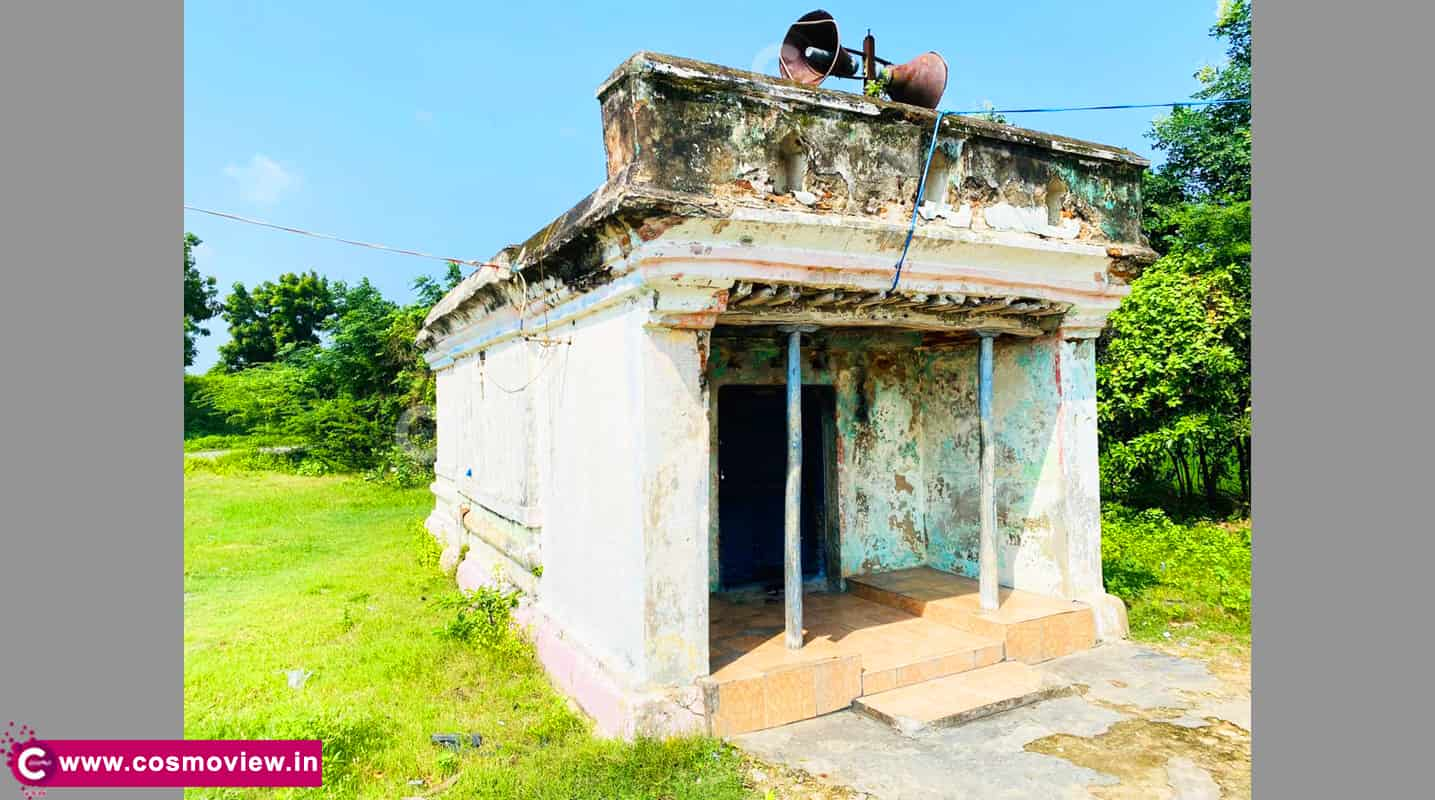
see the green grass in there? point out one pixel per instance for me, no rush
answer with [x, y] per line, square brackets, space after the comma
[329, 574]
[1187, 580]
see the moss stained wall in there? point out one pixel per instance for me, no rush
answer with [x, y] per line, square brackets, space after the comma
[700, 129]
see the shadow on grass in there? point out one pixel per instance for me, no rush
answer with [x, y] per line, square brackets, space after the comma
[1127, 580]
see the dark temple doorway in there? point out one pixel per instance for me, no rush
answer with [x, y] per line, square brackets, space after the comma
[752, 482]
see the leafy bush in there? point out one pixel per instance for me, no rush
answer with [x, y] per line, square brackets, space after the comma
[397, 467]
[343, 433]
[263, 398]
[485, 616]
[427, 550]
[201, 418]
[1168, 573]
[237, 441]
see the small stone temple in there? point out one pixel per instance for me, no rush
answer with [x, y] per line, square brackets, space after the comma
[745, 472]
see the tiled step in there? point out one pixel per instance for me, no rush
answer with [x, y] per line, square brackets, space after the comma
[957, 699]
[753, 698]
[1032, 627]
[851, 647]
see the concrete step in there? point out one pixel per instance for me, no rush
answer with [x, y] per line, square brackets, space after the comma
[1031, 627]
[957, 699]
[851, 647]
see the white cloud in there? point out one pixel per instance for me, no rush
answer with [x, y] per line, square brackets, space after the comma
[262, 180]
[765, 60]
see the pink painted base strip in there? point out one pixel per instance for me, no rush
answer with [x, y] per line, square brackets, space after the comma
[156, 763]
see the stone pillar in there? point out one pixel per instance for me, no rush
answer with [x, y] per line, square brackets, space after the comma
[1081, 479]
[672, 438]
[987, 555]
[792, 513]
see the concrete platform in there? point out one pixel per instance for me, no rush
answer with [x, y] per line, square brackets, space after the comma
[956, 699]
[1150, 724]
[852, 647]
[1032, 627]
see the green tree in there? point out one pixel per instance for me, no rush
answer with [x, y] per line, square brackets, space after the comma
[357, 362]
[1207, 148]
[200, 301]
[342, 395]
[1175, 381]
[414, 383]
[1174, 374]
[274, 318]
[429, 290]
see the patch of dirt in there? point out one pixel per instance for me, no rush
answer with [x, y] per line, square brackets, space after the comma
[784, 783]
[1228, 658]
[1128, 710]
[1136, 751]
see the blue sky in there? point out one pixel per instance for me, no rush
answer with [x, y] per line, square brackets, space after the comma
[457, 128]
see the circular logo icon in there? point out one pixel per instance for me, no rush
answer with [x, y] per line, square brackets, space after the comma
[416, 434]
[34, 763]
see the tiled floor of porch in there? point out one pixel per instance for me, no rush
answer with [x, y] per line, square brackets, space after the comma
[892, 630]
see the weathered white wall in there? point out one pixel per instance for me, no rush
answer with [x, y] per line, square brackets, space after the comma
[592, 583]
[1028, 480]
[673, 431]
[487, 429]
[1081, 468]
[594, 435]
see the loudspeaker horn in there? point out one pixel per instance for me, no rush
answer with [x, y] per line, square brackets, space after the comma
[812, 50]
[919, 82]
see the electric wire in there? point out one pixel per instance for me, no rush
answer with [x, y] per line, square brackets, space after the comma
[371, 245]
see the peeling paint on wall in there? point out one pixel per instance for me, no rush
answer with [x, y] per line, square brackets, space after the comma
[1028, 478]
[908, 450]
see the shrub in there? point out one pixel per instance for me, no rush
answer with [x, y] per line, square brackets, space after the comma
[397, 467]
[201, 418]
[236, 441]
[485, 616]
[261, 398]
[427, 550]
[343, 433]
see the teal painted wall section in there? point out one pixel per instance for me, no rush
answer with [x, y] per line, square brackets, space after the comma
[951, 453]
[1025, 405]
[883, 496]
